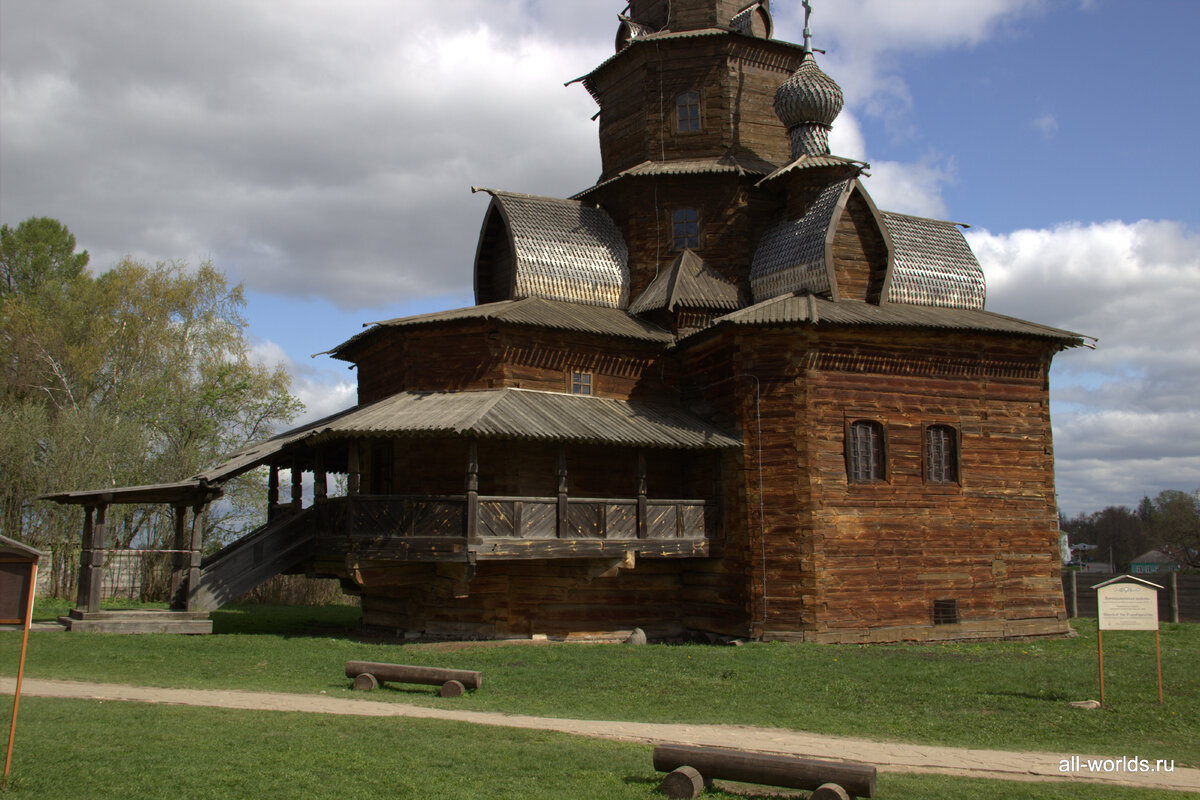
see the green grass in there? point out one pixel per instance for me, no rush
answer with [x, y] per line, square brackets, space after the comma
[1001, 695]
[73, 748]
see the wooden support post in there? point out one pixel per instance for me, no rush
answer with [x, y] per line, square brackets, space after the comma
[179, 559]
[96, 570]
[84, 587]
[472, 516]
[297, 484]
[1100, 650]
[320, 479]
[1073, 595]
[272, 491]
[641, 495]
[1174, 599]
[1158, 659]
[561, 526]
[194, 558]
[352, 467]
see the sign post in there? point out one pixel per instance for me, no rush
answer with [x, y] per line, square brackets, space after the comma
[18, 582]
[1127, 603]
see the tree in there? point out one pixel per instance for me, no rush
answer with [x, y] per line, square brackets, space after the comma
[1116, 531]
[1173, 523]
[139, 375]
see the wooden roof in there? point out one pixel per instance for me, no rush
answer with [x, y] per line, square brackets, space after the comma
[793, 309]
[687, 283]
[932, 264]
[11, 548]
[192, 491]
[531, 311]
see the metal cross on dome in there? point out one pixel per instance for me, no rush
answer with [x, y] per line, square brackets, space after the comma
[807, 31]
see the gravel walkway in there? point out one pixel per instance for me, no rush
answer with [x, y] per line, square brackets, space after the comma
[887, 757]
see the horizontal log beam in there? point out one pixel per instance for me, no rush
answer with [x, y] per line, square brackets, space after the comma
[766, 768]
[404, 673]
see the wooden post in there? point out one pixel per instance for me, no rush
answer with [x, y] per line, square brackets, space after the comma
[297, 484]
[1073, 596]
[12, 730]
[179, 559]
[641, 495]
[1100, 649]
[272, 491]
[84, 588]
[561, 527]
[320, 479]
[96, 578]
[352, 467]
[472, 517]
[1174, 597]
[1158, 658]
[193, 592]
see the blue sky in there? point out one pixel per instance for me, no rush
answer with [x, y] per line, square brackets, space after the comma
[321, 154]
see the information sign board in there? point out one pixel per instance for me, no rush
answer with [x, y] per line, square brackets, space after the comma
[1127, 607]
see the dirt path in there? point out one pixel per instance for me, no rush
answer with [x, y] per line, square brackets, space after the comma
[887, 757]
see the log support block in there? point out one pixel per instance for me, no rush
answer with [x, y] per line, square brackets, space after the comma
[684, 783]
[365, 682]
[452, 689]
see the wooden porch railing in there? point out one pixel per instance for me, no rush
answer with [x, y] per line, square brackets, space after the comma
[507, 517]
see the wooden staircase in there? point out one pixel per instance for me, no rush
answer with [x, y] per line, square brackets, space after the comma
[235, 569]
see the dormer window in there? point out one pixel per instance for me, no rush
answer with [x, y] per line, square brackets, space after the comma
[581, 383]
[685, 223]
[687, 112]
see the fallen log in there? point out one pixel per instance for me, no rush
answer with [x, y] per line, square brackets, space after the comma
[766, 768]
[403, 673]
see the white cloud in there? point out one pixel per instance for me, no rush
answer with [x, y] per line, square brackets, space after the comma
[910, 188]
[1125, 415]
[1046, 125]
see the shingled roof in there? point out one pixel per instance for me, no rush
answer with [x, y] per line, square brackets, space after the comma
[932, 264]
[549, 247]
[794, 254]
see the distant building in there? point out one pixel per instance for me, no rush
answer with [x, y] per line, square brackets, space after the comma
[1154, 561]
[718, 391]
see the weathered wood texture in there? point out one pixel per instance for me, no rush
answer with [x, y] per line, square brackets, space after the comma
[520, 598]
[766, 768]
[859, 252]
[405, 673]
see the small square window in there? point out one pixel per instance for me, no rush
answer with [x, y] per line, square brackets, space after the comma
[581, 383]
[687, 112]
[945, 612]
[685, 223]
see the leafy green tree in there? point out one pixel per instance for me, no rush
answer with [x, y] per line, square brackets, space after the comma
[1173, 523]
[139, 375]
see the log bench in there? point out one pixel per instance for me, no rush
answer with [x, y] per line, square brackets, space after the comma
[691, 768]
[368, 675]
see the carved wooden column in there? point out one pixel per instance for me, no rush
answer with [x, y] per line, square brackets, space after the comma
[179, 558]
[641, 495]
[194, 558]
[472, 519]
[352, 467]
[320, 479]
[97, 560]
[297, 484]
[561, 527]
[272, 491]
[84, 583]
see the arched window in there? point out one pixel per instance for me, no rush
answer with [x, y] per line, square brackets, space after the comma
[687, 112]
[865, 444]
[685, 226]
[941, 454]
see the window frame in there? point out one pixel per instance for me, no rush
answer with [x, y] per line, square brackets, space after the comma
[689, 100]
[951, 453]
[581, 379]
[690, 240]
[851, 449]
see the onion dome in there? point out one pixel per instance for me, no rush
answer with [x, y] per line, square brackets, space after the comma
[807, 103]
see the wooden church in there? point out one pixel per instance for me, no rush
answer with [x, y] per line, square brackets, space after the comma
[719, 391]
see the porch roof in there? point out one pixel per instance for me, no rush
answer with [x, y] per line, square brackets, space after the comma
[191, 491]
[506, 413]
